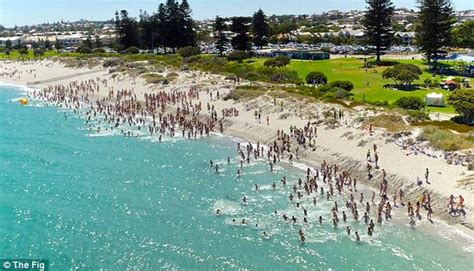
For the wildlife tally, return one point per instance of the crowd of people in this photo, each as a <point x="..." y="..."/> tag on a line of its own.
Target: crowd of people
<point x="161" y="112"/>
<point x="330" y="182"/>
<point x="167" y="113"/>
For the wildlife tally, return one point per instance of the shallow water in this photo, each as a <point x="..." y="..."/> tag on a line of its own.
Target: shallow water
<point x="89" y="201"/>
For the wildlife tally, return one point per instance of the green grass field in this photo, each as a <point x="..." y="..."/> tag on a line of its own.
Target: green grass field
<point x="367" y="85"/>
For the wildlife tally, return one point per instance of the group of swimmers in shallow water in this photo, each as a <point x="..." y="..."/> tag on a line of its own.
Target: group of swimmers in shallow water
<point x="329" y="182"/>
<point x="165" y="113"/>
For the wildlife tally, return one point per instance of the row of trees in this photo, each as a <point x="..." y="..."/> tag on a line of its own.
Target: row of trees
<point x="433" y="26"/>
<point x="243" y="27"/>
<point x="170" y="27"/>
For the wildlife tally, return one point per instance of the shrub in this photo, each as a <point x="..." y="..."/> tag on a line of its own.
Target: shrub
<point x="84" y="50"/>
<point x="189" y="51"/>
<point x="238" y="56"/>
<point x="38" y="52"/>
<point x="113" y="62"/>
<point x="316" y="78"/>
<point x="132" y="50"/>
<point x="23" y="51"/>
<point x="347" y="85"/>
<point x="98" y="50"/>
<point x="413" y="103"/>
<point x="379" y="103"/>
<point x="191" y="59"/>
<point x="153" y="78"/>
<point x="427" y="82"/>
<point x="444" y="139"/>
<point x="418" y="115"/>
<point x="434" y="83"/>
<point x="340" y="93"/>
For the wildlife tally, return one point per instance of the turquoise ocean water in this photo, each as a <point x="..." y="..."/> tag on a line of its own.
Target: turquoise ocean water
<point x="87" y="201"/>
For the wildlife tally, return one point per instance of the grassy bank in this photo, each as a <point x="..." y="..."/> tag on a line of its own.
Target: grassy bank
<point x="368" y="86"/>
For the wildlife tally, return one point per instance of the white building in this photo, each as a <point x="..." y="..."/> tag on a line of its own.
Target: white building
<point x="15" y="40"/>
<point x="406" y="38"/>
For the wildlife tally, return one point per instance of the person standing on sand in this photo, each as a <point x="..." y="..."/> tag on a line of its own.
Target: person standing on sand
<point x="427" y="174"/>
<point x="400" y="195"/>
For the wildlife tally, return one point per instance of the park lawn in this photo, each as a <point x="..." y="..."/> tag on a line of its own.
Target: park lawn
<point x="368" y="85"/>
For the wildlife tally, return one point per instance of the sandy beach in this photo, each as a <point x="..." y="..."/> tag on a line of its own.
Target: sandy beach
<point x="345" y="142"/>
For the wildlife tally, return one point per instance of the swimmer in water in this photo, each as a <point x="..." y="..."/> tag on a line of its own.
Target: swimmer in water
<point x="348" y="230"/>
<point x="218" y="212"/>
<point x="357" y="236"/>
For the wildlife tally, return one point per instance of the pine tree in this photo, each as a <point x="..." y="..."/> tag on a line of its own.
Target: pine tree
<point x="260" y="29"/>
<point x="127" y="29"/>
<point x="161" y="30"/>
<point x="240" y="26"/>
<point x="186" y="25"/>
<point x="8" y="45"/>
<point x="221" y="41"/>
<point x="378" y="25"/>
<point x="97" y="43"/>
<point x="88" y="42"/>
<point x="58" y="45"/>
<point x="171" y="24"/>
<point x="433" y="30"/>
<point x="146" y="30"/>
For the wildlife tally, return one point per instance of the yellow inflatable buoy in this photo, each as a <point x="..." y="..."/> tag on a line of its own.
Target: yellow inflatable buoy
<point x="23" y="101"/>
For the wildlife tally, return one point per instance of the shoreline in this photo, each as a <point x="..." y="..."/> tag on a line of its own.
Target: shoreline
<point x="454" y="232"/>
<point x="246" y="129"/>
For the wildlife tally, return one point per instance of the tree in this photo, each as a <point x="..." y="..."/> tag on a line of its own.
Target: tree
<point x="186" y="25"/>
<point x="433" y="30"/>
<point x="146" y="29"/>
<point x="260" y="29"/>
<point x="240" y="26"/>
<point x="279" y="61"/>
<point x="162" y="32"/>
<point x="97" y="42"/>
<point x="463" y="102"/>
<point x="402" y="74"/>
<point x="8" y="45"/>
<point x="58" y="45"/>
<point x="221" y="41"/>
<point x="127" y="29"/>
<point x="87" y="42"/>
<point x="378" y="25"/>
<point x="316" y="78"/>
<point x="47" y="44"/>
<point x="463" y="35"/>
